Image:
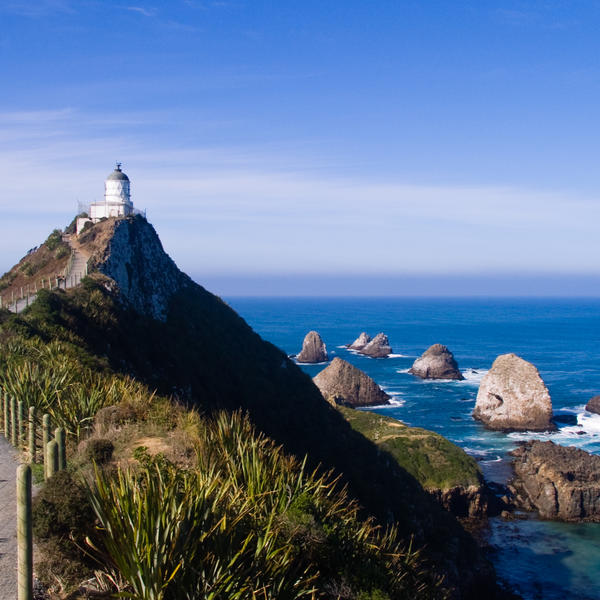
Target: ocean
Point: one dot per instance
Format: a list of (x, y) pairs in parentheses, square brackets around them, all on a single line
[(561, 337)]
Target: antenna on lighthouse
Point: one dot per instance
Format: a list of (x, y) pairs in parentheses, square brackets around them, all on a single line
[(118, 167)]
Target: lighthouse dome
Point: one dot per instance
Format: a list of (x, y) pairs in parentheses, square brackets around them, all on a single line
[(117, 174)]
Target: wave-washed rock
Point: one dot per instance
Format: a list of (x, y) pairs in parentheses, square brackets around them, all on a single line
[(360, 342), (437, 362), (513, 397), (560, 482), (313, 349), (378, 347), (342, 383), (593, 405)]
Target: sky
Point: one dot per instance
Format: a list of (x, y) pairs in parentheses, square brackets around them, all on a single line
[(316, 147)]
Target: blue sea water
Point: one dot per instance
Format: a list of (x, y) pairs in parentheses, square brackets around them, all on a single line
[(561, 337)]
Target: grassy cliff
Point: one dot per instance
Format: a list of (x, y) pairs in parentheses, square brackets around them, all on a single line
[(138, 317), (435, 462)]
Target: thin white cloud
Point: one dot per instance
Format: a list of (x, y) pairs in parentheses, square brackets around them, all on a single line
[(147, 12), (244, 208)]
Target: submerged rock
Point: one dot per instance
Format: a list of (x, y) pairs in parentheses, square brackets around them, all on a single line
[(343, 383), (437, 362), (378, 347), (513, 397), (593, 405), (313, 349), (360, 342), (560, 482)]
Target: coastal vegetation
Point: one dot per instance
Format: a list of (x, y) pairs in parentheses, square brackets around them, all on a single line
[(138, 356), (435, 462)]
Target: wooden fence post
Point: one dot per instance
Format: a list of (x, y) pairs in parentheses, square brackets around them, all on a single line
[(32, 446), (6, 417), (24, 534), (13, 421), (52, 454), (20, 424), (45, 440), (59, 436)]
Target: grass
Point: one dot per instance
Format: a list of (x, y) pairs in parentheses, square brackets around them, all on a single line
[(433, 460)]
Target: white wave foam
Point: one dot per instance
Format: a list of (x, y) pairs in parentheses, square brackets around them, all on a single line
[(315, 364), (472, 376), (589, 422), (399, 356), (402, 370), (393, 403)]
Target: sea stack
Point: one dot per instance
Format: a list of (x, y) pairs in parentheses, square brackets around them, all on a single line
[(313, 349), (378, 347), (343, 383), (360, 342), (513, 397), (437, 362), (593, 405)]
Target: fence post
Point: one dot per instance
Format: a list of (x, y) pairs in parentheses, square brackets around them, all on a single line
[(45, 440), (52, 454), (59, 436), (24, 534), (13, 421), (6, 418), (32, 448), (20, 424)]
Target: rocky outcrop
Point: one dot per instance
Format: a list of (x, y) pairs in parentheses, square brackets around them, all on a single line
[(560, 482), (313, 349), (593, 405), (437, 362), (360, 342), (131, 254), (513, 397), (378, 347), (342, 383), (472, 502)]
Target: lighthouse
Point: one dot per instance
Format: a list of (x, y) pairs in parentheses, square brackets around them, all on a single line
[(117, 197), (117, 200)]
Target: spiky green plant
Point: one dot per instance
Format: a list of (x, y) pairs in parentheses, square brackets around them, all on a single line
[(183, 535), (249, 522)]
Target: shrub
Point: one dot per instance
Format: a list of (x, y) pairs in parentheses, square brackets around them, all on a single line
[(54, 240), (62, 252), (62, 518), (99, 451), (61, 508)]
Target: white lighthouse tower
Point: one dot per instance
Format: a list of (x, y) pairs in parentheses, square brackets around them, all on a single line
[(117, 200), (117, 197)]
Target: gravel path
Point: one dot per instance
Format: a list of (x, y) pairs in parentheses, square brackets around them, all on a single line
[(8, 517)]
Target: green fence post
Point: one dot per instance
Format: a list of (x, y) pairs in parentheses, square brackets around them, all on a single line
[(45, 440), (20, 424), (52, 454), (6, 417), (13, 420), (32, 447), (24, 534), (59, 436)]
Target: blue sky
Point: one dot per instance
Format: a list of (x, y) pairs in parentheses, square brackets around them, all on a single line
[(309, 147)]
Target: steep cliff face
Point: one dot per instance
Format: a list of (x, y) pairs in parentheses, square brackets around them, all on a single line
[(141, 314), (133, 257)]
